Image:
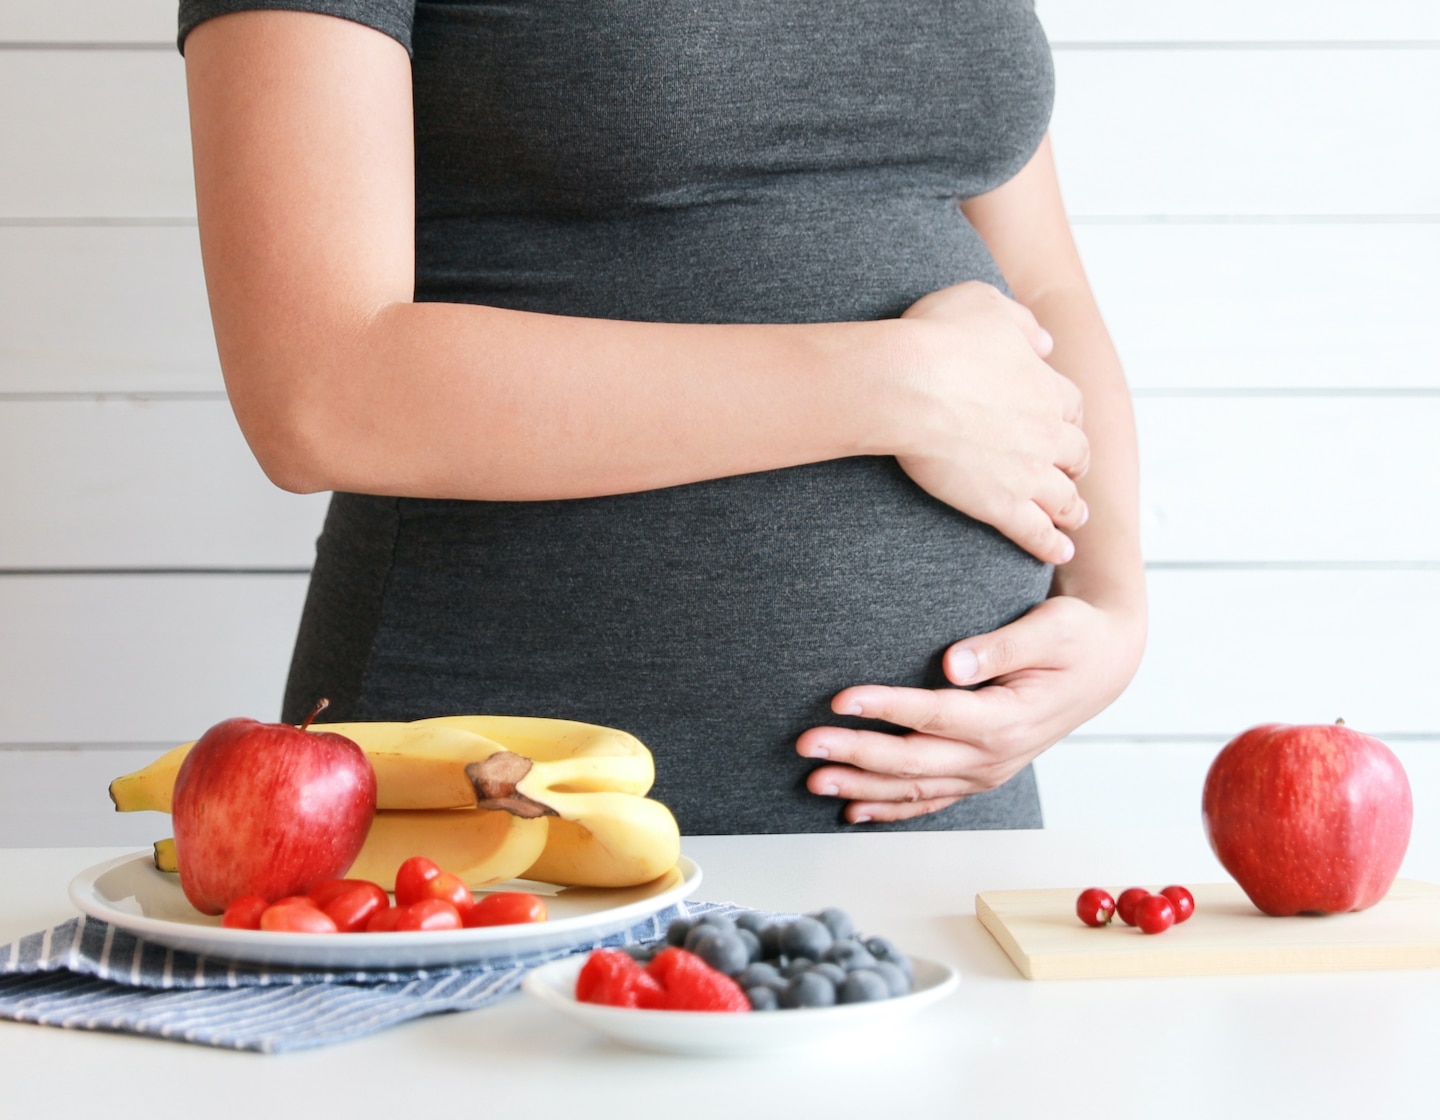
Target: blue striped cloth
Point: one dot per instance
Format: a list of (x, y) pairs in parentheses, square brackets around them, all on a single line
[(86, 974)]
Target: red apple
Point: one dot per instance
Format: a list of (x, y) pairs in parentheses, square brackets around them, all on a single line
[(1308, 819), (268, 809)]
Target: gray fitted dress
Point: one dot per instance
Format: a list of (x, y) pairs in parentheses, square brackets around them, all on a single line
[(712, 161)]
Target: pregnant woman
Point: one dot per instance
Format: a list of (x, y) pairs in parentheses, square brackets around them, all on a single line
[(663, 361)]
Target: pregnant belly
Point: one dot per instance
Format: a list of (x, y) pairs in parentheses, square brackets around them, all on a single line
[(715, 621)]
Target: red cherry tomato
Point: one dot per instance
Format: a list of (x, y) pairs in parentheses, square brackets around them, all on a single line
[(505, 908), (296, 915), (383, 921), (411, 878), (450, 887), (1095, 907), (352, 909), (321, 894), (1125, 904), (244, 912), (1182, 900), (1154, 914), (428, 914)]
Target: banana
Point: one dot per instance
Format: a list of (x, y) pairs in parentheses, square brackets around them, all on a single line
[(598, 837), (482, 847), (600, 758), (490, 798)]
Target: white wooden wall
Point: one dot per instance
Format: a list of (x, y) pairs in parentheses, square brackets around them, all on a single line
[(1257, 194)]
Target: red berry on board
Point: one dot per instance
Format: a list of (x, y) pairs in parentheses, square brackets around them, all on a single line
[(1154, 914), (1125, 904), (1182, 900), (1095, 907)]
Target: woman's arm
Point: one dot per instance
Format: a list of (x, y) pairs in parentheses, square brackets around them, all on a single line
[(1070, 657), (304, 165)]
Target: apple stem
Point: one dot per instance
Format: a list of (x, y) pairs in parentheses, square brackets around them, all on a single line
[(320, 706), (1340, 722)]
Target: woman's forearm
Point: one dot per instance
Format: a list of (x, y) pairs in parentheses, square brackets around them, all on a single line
[(448, 400)]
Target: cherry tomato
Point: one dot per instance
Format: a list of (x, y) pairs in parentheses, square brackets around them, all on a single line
[(411, 878), (450, 887), (352, 909), (428, 914), (322, 893), (1154, 914), (244, 912), (505, 908), (1125, 904), (1095, 907), (296, 915), (1182, 900), (383, 921)]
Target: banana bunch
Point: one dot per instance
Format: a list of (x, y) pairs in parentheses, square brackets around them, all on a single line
[(489, 798)]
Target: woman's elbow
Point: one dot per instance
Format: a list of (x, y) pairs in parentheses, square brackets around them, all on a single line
[(289, 442)]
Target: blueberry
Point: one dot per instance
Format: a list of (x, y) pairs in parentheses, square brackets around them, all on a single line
[(809, 989), (894, 977), (832, 972), (884, 949), (761, 974), (677, 930), (763, 999), (724, 952), (805, 937), (641, 953), (770, 942), (753, 920), (795, 966), (837, 921), (717, 921), (863, 986), (850, 955), (752, 942), (697, 934)]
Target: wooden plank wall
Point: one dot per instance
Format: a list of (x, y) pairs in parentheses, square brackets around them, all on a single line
[(1257, 197)]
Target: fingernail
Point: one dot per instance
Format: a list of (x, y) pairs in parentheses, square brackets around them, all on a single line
[(817, 750), (852, 709), (964, 665), (1067, 551), (829, 791), (861, 820)]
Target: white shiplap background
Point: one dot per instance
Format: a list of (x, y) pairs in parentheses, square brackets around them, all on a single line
[(1256, 190)]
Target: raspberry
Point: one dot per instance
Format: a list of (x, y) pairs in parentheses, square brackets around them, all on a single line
[(615, 978), (692, 985)]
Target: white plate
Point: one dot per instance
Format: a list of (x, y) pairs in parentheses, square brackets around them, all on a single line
[(130, 893), (717, 1033)]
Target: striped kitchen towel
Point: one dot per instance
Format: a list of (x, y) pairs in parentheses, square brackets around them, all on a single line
[(86, 974)]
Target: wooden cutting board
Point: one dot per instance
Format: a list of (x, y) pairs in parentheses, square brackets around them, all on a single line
[(1226, 935)]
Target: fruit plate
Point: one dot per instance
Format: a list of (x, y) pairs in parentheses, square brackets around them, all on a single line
[(720, 1034), (130, 893)]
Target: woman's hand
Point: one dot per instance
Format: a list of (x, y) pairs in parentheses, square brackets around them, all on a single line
[(1044, 675), (991, 429)]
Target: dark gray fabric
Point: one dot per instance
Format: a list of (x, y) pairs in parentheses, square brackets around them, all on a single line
[(706, 161), (390, 16)]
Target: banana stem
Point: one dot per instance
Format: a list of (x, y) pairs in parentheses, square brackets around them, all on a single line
[(495, 780)]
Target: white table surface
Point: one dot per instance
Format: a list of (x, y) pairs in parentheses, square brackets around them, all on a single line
[(1313, 1046)]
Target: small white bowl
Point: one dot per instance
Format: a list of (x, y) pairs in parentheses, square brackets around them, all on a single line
[(721, 1033)]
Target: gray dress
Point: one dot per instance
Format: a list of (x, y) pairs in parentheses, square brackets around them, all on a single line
[(688, 161)]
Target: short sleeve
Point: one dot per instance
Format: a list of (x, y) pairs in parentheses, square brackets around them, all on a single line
[(393, 17)]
